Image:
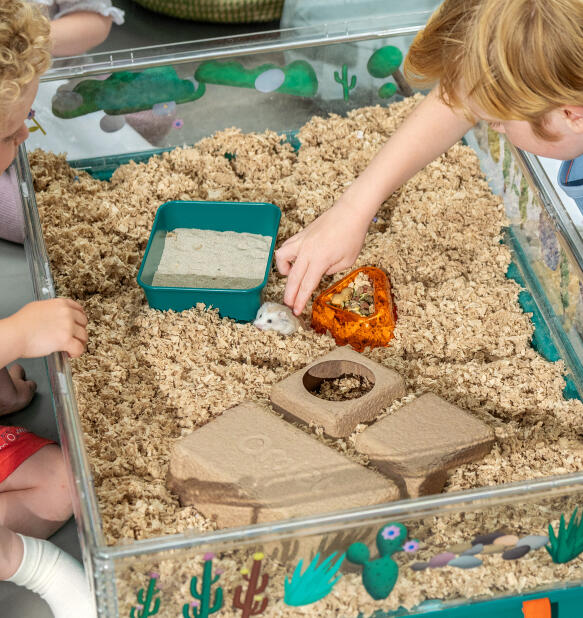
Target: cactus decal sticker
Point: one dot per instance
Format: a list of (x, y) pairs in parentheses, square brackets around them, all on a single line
[(343, 81), (255, 601), (202, 606), (314, 583), (144, 607), (379, 576), (567, 543)]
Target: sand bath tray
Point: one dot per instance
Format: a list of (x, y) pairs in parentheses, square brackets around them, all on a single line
[(233, 300), (350, 328)]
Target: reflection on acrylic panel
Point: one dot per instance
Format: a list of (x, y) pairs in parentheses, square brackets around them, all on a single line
[(155, 92)]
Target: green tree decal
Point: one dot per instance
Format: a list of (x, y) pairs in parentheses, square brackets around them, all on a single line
[(384, 62)]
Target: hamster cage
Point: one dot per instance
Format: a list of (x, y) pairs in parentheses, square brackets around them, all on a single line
[(133, 105)]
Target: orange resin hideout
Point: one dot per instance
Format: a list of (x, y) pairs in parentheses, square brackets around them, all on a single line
[(349, 328)]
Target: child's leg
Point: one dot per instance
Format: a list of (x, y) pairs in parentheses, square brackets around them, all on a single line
[(43, 568), (16, 392), (11, 550), (35, 498)]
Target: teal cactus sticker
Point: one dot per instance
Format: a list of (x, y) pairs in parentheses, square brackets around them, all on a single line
[(144, 606), (297, 78), (343, 81), (314, 583), (567, 543), (127, 92), (255, 601), (380, 575), (202, 606)]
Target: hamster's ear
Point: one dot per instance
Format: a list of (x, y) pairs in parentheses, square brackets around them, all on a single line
[(282, 315)]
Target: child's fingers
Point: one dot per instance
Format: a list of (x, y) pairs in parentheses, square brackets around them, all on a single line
[(308, 284), (74, 348), (79, 313), (284, 257), (17, 372), (80, 333), (294, 279), (338, 266)]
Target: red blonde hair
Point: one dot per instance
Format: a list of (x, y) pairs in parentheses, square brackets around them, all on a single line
[(515, 59)]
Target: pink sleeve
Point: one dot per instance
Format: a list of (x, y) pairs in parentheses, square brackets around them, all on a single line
[(11, 217)]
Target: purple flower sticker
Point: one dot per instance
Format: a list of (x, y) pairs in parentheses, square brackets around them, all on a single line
[(208, 556), (31, 114), (178, 123), (391, 532), (194, 603), (411, 546), (154, 575)]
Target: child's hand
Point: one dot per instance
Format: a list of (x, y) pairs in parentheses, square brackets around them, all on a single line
[(47, 326), (330, 243), (16, 392)]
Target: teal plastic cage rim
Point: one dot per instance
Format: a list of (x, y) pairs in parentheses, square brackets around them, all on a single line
[(566, 602), (549, 338)]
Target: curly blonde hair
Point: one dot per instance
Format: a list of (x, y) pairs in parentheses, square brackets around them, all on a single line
[(516, 59), (24, 47)]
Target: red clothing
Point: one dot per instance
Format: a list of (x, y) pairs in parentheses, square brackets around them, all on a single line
[(16, 446)]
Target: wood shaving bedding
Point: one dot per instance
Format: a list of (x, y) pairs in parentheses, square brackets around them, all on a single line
[(150, 377)]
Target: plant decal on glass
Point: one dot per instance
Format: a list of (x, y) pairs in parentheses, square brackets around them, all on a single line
[(144, 607), (567, 544), (379, 576), (201, 607), (343, 81), (384, 62), (314, 583), (255, 601)]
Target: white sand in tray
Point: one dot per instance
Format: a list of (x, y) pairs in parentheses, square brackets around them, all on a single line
[(212, 259)]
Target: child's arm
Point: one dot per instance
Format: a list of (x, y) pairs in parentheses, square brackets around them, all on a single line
[(41, 328), (332, 242), (76, 33)]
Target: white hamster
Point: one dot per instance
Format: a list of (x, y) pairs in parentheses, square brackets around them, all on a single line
[(273, 316)]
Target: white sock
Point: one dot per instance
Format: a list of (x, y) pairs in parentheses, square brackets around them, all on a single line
[(57, 577)]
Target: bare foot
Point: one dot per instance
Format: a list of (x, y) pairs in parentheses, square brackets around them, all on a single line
[(16, 392)]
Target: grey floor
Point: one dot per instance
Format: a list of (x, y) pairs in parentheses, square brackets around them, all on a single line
[(142, 28)]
